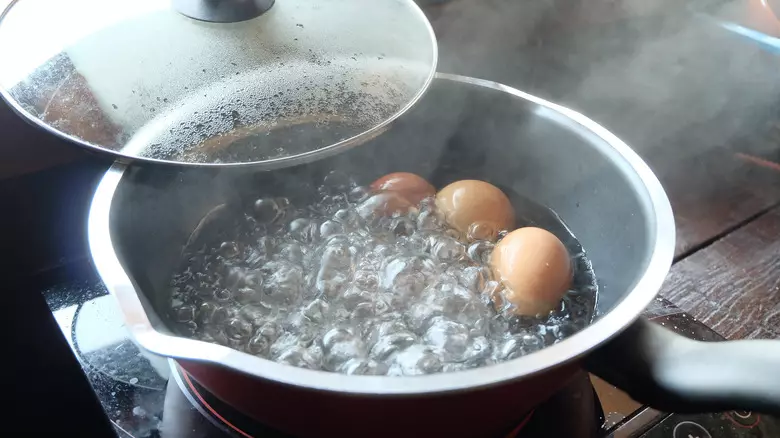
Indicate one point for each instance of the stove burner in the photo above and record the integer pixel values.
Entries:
(582, 417)
(219, 413)
(100, 340)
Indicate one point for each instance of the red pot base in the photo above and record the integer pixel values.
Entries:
(501, 410)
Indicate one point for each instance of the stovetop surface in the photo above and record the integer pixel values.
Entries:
(148, 396)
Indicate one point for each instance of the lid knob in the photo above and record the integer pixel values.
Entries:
(222, 11)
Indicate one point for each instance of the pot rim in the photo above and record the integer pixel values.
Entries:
(625, 312)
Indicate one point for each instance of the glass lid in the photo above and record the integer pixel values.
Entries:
(215, 82)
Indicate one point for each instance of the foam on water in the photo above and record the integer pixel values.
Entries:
(336, 287)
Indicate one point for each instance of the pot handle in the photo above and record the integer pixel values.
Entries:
(672, 373)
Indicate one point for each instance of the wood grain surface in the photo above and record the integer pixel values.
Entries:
(733, 285)
(715, 192)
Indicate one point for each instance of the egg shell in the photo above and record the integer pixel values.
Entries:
(412, 187)
(534, 267)
(466, 202)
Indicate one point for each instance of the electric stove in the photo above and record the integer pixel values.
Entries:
(145, 396)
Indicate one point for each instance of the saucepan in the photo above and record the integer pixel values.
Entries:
(142, 216)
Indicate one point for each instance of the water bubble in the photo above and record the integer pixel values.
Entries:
(402, 226)
(266, 210)
(427, 220)
(304, 230)
(291, 251)
(336, 255)
(474, 278)
(416, 360)
(336, 335)
(420, 315)
(494, 290)
(222, 295)
(362, 311)
(270, 330)
(283, 203)
(447, 250)
(330, 228)
(234, 278)
(348, 218)
(478, 352)
(206, 312)
(519, 345)
(316, 311)
(391, 343)
(283, 285)
(449, 336)
(366, 280)
(259, 345)
(339, 347)
(265, 245)
(184, 313)
(480, 251)
(229, 249)
(305, 330)
(247, 295)
(254, 280)
(482, 231)
(217, 335)
(358, 194)
(238, 330)
(365, 367)
(408, 276)
(299, 357)
(331, 282)
(355, 296)
(563, 330)
(188, 328)
(255, 315)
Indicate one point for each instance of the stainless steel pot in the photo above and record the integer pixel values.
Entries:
(463, 127)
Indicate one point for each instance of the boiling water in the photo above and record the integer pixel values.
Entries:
(333, 286)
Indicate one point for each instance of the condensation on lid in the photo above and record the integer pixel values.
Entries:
(140, 80)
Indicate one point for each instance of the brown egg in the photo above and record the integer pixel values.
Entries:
(535, 268)
(466, 202)
(410, 186)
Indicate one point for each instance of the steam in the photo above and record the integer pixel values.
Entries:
(663, 76)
